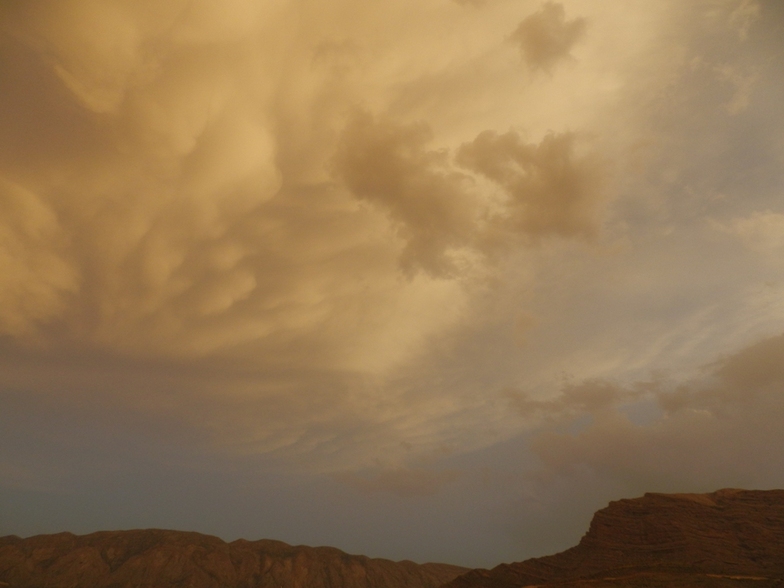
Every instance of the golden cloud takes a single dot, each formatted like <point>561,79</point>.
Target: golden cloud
<point>312,194</point>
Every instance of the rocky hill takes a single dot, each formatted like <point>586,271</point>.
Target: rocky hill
<point>164,559</point>
<point>727,538</point>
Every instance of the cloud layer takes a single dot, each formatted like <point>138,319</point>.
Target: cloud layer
<point>546,37</point>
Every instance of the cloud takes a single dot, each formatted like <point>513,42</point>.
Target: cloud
<point>588,397</point>
<point>546,37</point>
<point>551,189</point>
<point>743,84</point>
<point>403,482</point>
<point>148,214</point>
<point>719,430</point>
<point>388,164</point>
<point>439,208</point>
<point>309,205</point>
<point>762,232</point>
<point>756,369</point>
<point>35,274</point>
<point>744,15</point>
<point>201,194</point>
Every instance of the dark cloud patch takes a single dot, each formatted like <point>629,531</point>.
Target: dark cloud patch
<point>390,165</point>
<point>546,37</point>
<point>552,190</point>
<point>440,212</point>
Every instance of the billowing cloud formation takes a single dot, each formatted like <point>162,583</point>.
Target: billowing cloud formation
<point>197,213</point>
<point>549,190</point>
<point>546,36</point>
<point>183,222</point>
<point>242,186</point>
<point>187,180</point>
<point>429,201</point>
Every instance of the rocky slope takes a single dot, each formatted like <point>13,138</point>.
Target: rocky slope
<point>155,558</point>
<point>727,538</point>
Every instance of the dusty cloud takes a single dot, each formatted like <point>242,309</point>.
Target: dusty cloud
<point>403,482</point>
<point>182,181</point>
<point>247,176</point>
<point>762,232</point>
<point>471,2</point>
<point>551,190</point>
<point>244,185</point>
<point>36,276</point>
<point>429,201</point>
<point>548,189</point>
<point>744,15</point>
<point>547,37</point>
<point>238,187</point>
<point>183,222</point>
<point>717,430</point>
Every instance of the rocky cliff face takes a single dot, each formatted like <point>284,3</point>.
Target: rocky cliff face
<point>727,538</point>
<point>155,558</point>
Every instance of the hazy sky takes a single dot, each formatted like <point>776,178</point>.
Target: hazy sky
<point>425,279</point>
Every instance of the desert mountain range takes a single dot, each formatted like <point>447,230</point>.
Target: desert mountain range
<point>729,538</point>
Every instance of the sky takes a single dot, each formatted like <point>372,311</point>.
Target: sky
<point>424,279</point>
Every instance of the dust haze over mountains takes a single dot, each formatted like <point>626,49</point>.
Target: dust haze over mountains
<point>428,280</point>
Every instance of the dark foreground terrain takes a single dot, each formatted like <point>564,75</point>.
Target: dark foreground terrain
<point>730,538</point>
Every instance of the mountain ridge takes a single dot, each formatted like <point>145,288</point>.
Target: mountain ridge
<point>163,558</point>
<point>730,538</point>
<point>730,535</point>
